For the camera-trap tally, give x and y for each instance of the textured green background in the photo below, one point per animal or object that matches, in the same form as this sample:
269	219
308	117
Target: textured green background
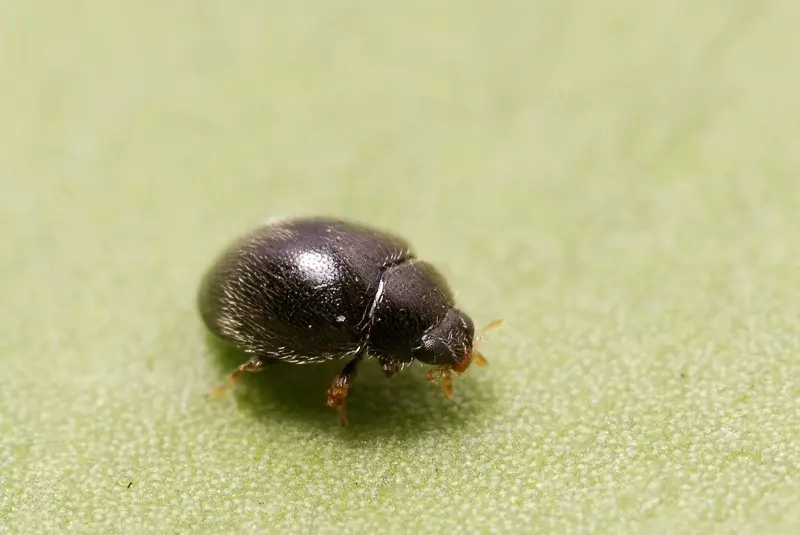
620	181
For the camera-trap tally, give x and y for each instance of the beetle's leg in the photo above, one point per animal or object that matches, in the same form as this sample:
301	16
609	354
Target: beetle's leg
337	393
445	376
255	364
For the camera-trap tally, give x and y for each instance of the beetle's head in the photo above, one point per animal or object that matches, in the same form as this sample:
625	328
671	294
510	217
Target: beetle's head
449	343
450	346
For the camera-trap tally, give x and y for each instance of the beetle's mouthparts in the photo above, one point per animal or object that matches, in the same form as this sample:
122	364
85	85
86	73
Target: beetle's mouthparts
445	373
470	356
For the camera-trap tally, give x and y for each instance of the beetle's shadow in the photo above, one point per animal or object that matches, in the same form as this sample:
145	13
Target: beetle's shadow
403	405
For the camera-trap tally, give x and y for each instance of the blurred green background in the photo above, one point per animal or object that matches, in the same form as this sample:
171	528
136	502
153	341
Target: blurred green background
619	181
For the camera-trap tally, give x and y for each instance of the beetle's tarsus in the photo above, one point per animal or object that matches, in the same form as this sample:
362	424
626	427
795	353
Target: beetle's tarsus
337	393
445	376
338	398
251	366
447	385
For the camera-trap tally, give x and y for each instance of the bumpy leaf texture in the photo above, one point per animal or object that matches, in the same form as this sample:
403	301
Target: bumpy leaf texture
619	182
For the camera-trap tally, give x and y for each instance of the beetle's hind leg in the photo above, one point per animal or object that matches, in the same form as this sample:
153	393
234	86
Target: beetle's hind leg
253	365
337	393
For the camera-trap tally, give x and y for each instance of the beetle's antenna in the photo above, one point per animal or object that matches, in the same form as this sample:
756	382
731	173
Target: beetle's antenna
477	356
491	326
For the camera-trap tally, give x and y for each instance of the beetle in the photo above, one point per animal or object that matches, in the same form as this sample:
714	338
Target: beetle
312	289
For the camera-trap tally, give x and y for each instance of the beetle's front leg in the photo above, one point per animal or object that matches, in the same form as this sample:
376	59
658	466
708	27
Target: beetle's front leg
445	376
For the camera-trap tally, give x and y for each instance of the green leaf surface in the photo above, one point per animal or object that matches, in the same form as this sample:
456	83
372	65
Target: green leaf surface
619	181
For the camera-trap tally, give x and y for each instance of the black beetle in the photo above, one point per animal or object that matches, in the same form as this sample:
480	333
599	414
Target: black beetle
309	290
